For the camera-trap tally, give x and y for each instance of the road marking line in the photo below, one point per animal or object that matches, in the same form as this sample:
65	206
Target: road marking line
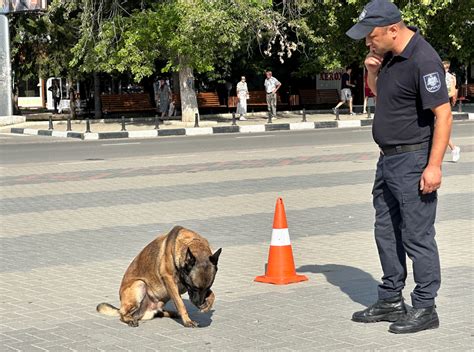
82	162
269	135
257	151
115	144
334	146
174	156
15	134
459	138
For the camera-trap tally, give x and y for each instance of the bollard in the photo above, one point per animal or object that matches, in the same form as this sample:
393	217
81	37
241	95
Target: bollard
68	128
196	120
233	119
88	126
50	123
157	122
368	112
123	124
304	115
337	114
269	117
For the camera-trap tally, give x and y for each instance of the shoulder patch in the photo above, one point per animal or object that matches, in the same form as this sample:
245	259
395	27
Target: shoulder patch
432	82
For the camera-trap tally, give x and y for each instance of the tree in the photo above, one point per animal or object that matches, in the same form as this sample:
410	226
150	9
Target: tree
42	42
447	24
190	35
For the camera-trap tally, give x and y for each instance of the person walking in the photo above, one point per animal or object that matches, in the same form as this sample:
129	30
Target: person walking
271	87
407	76
346	94
452	94
242	96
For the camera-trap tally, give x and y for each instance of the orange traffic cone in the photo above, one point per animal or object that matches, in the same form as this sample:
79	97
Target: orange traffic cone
281	267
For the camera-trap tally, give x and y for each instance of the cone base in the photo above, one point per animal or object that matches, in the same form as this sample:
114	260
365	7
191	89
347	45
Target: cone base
281	280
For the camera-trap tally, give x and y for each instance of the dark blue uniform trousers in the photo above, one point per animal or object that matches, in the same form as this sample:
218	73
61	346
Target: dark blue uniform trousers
404	225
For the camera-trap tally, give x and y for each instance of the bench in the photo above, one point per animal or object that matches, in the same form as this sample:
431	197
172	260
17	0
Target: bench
308	97
126	103
209	100
463	94
318	96
259	98
327	96
467	90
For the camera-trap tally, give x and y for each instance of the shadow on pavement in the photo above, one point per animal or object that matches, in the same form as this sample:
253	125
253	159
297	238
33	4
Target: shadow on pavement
203	319
360	286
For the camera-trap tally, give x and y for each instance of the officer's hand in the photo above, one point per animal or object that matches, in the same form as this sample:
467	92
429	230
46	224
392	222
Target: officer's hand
373	62
430	179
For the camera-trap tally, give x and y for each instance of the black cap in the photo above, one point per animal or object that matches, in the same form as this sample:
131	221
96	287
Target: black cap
377	13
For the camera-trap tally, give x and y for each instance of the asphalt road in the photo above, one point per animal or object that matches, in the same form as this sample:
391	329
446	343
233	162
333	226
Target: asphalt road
33	149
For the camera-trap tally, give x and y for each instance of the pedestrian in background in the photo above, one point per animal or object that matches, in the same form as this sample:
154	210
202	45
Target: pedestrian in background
346	94
165	97
368	94
452	94
56	94
408	173
242	96
271	87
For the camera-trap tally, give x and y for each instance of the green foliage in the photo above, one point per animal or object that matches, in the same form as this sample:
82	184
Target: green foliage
41	41
81	36
447	24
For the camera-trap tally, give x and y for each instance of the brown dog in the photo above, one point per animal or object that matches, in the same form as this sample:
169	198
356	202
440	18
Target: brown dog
166	268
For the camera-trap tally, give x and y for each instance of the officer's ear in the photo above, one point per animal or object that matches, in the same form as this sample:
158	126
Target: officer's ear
394	29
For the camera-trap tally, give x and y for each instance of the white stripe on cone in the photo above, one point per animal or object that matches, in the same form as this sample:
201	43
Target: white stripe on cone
280	237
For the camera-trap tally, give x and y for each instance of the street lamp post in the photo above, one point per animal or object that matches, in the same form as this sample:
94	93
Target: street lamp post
6	106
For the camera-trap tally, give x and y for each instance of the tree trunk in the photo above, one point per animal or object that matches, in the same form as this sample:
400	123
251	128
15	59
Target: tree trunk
189	105
72	99
97	107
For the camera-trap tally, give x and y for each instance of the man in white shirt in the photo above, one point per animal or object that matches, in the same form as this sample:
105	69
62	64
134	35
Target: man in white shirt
271	87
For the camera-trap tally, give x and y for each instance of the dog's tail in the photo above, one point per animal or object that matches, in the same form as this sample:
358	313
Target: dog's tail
108	309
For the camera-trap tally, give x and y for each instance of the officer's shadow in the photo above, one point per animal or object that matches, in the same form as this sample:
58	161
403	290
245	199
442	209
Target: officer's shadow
360	286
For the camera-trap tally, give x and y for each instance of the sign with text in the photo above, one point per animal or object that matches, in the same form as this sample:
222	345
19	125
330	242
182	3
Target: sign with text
329	80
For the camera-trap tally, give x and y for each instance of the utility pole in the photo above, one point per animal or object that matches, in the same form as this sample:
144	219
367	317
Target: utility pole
6	106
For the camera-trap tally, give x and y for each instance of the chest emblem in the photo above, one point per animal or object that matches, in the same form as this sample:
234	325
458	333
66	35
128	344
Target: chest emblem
432	82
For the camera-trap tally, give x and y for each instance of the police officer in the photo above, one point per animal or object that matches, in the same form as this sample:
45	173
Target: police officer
412	125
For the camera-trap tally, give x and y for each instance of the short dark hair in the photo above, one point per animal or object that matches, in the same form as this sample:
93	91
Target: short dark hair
348	68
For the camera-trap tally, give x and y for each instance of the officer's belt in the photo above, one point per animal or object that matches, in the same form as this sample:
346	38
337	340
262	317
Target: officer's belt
399	149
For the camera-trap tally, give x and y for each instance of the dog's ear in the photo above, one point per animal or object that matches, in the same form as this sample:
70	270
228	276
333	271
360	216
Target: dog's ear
190	260
215	257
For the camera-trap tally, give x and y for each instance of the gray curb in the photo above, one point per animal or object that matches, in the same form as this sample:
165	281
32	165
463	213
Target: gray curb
195	131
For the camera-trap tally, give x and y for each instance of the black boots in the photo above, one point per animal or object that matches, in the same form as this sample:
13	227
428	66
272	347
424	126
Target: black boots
393	309
390	309
417	319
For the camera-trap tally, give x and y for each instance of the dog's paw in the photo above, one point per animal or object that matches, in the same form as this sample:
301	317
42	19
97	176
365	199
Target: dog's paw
191	324
208	303
206	307
132	323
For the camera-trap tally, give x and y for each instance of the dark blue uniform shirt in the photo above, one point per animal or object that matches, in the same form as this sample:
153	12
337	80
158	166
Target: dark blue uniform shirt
408	86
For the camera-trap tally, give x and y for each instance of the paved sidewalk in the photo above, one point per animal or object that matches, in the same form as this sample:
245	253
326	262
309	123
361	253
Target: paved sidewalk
69	230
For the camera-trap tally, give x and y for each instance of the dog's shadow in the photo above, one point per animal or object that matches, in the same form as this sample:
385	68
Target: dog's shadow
360	286
203	319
